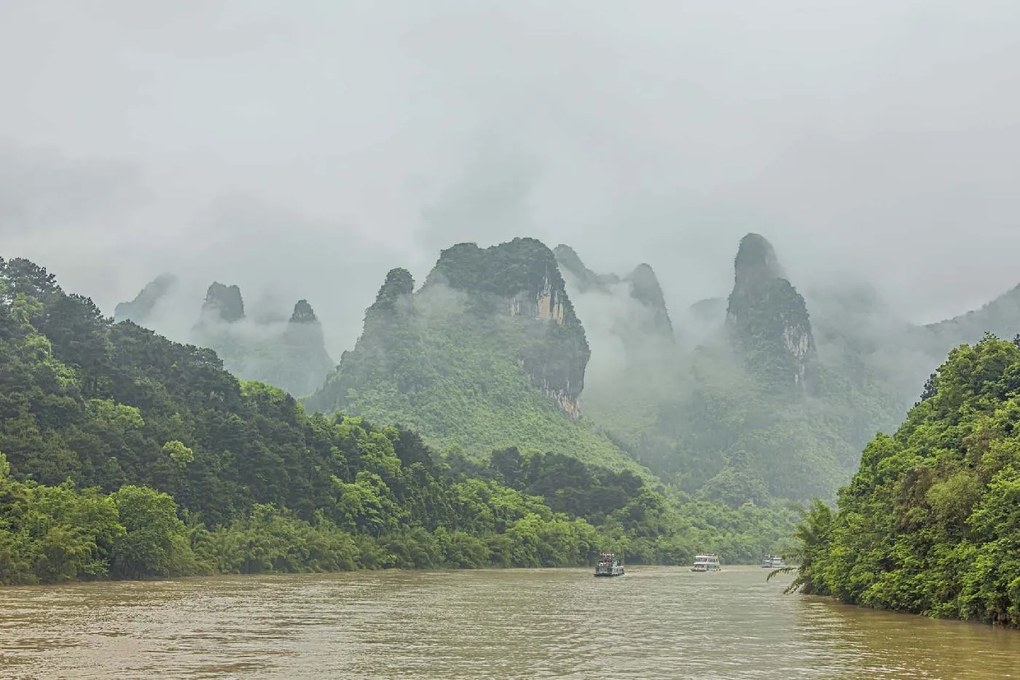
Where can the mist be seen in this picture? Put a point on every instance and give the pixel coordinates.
(301, 152)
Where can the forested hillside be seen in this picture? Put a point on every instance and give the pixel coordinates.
(744, 405)
(127, 455)
(931, 521)
(488, 354)
(285, 349)
(765, 393)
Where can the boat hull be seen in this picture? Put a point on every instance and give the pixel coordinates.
(608, 565)
(608, 574)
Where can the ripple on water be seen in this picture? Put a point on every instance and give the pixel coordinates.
(653, 623)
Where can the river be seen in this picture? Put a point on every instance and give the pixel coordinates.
(544, 623)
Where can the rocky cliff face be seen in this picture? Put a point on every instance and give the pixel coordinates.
(520, 279)
(645, 289)
(487, 353)
(223, 303)
(508, 300)
(767, 318)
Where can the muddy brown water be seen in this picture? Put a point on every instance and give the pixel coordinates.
(557, 623)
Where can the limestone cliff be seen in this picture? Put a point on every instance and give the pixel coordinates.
(767, 318)
(223, 303)
(645, 288)
(487, 353)
(520, 279)
(290, 354)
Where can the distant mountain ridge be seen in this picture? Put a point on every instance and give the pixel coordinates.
(635, 350)
(641, 284)
(1000, 317)
(764, 392)
(290, 354)
(140, 308)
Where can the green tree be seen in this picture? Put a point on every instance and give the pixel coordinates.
(155, 542)
(179, 453)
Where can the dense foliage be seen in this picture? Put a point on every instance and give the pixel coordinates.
(751, 409)
(487, 355)
(129, 456)
(931, 521)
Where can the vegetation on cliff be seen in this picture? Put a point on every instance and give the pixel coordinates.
(931, 521)
(752, 410)
(489, 354)
(126, 455)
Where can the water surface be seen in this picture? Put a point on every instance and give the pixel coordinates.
(652, 623)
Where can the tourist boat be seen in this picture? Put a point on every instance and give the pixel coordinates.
(772, 562)
(706, 562)
(608, 565)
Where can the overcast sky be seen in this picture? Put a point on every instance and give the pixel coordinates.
(301, 149)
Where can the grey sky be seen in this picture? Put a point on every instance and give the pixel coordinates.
(307, 147)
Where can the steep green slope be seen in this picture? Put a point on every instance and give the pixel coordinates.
(488, 354)
(125, 455)
(931, 521)
(759, 409)
(264, 487)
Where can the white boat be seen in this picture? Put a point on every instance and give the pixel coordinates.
(772, 562)
(608, 565)
(706, 562)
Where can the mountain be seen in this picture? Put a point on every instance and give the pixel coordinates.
(222, 303)
(769, 391)
(109, 429)
(111, 436)
(647, 313)
(1001, 317)
(140, 309)
(634, 349)
(767, 318)
(488, 353)
(930, 523)
(756, 409)
(290, 354)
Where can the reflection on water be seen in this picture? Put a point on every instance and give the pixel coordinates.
(652, 623)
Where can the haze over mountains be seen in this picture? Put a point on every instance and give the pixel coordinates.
(213, 142)
(761, 393)
(269, 346)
